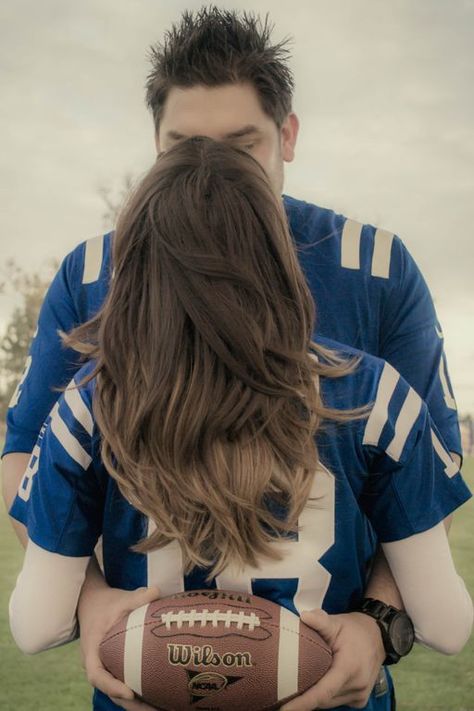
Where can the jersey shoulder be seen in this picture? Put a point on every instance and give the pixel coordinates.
(394, 412)
(93, 257)
(86, 273)
(344, 242)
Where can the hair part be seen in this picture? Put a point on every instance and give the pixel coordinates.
(213, 47)
(206, 373)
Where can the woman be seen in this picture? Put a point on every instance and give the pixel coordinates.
(212, 442)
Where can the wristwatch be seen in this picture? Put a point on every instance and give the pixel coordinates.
(398, 634)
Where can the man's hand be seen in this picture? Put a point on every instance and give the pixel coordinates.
(356, 643)
(99, 608)
(132, 705)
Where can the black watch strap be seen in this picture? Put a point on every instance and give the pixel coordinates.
(398, 634)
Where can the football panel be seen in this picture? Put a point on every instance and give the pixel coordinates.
(193, 671)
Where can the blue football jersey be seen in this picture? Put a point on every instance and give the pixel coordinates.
(368, 291)
(388, 472)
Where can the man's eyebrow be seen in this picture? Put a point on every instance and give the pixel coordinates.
(245, 131)
(240, 133)
(175, 136)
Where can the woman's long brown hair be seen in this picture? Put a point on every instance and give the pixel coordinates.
(206, 395)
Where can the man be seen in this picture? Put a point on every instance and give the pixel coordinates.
(216, 74)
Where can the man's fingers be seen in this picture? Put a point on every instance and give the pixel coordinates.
(320, 695)
(135, 705)
(90, 657)
(328, 626)
(100, 678)
(142, 596)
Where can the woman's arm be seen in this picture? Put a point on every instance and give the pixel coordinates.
(44, 602)
(433, 594)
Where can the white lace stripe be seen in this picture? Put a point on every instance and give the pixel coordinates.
(350, 245)
(381, 254)
(405, 421)
(67, 440)
(133, 649)
(448, 398)
(379, 415)
(288, 654)
(204, 617)
(93, 259)
(79, 408)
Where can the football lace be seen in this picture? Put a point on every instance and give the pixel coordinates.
(203, 617)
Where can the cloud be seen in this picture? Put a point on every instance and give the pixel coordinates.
(384, 92)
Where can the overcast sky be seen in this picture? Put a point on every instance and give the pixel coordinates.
(384, 92)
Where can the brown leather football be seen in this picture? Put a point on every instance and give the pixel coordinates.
(213, 649)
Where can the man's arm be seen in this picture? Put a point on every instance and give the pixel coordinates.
(381, 584)
(428, 578)
(412, 341)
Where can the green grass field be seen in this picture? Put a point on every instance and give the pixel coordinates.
(53, 681)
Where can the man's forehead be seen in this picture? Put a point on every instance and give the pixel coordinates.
(223, 112)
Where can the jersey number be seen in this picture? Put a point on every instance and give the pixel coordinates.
(300, 562)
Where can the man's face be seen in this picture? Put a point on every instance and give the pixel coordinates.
(230, 113)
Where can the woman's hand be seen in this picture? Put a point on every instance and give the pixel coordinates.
(358, 654)
(101, 606)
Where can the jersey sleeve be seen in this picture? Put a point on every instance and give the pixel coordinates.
(60, 499)
(49, 366)
(412, 482)
(412, 341)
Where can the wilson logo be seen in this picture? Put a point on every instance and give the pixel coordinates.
(184, 654)
(207, 683)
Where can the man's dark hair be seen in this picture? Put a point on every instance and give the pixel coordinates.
(214, 47)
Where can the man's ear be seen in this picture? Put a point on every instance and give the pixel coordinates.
(289, 134)
(157, 143)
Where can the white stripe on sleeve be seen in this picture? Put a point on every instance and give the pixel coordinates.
(405, 421)
(93, 259)
(451, 467)
(381, 254)
(379, 415)
(448, 398)
(350, 245)
(16, 395)
(78, 407)
(72, 446)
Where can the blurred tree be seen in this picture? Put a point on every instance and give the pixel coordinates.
(20, 329)
(31, 287)
(113, 202)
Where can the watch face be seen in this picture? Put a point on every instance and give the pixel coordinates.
(401, 634)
